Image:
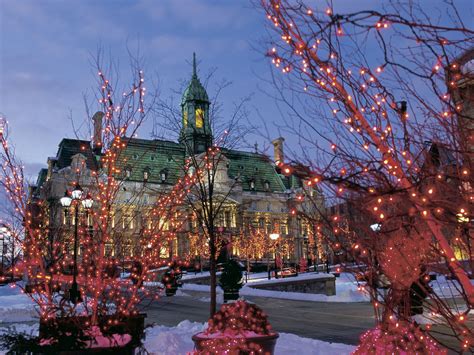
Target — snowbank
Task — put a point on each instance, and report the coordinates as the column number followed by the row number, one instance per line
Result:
column 347, row 290
column 163, row 340
column 15, row 306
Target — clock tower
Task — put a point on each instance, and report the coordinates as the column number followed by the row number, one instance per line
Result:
column 196, row 132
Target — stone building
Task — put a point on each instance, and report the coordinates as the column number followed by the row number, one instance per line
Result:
column 257, row 194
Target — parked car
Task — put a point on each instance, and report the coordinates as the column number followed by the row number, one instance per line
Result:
column 287, row 272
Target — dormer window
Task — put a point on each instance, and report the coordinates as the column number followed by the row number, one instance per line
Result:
column 163, row 175
column 146, row 174
column 252, row 184
column 266, row 185
column 128, row 172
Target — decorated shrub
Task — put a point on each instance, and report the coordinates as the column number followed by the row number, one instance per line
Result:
column 240, row 318
column 398, row 337
column 238, row 327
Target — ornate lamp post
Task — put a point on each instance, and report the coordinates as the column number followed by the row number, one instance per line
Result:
column 274, row 237
column 66, row 201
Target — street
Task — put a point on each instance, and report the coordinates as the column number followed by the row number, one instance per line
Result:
column 332, row 322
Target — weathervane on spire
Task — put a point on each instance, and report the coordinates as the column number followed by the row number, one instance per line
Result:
column 194, row 64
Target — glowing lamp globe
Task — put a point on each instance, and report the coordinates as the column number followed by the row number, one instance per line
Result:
column 88, row 201
column 65, row 200
column 274, row 236
column 76, row 194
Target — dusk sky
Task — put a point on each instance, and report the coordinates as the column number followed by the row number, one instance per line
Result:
column 46, row 47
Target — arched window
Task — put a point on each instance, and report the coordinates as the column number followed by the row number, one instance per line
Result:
column 128, row 172
column 185, row 117
column 199, row 117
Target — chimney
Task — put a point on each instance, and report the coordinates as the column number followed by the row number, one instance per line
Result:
column 97, row 142
column 278, row 150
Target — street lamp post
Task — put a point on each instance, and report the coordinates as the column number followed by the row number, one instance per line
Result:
column 274, row 237
column 3, row 248
column 66, row 201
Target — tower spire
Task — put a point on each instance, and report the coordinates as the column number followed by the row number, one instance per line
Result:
column 194, row 64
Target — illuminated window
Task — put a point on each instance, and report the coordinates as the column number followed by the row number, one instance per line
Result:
column 233, row 222
column 185, row 117
column 127, row 222
column 164, row 252
column 163, row 224
column 199, row 117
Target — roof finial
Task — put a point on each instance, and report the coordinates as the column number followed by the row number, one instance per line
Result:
column 194, row 64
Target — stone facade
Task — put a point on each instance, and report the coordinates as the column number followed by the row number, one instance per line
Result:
column 257, row 194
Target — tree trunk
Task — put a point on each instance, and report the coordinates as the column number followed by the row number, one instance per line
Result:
column 212, row 271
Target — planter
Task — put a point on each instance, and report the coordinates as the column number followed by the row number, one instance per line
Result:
column 132, row 325
column 266, row 342
column 231, row 295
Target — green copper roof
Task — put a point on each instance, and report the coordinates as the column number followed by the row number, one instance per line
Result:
column 155, row 157
column 254, row 167
column 195, row 91
column 256, row 172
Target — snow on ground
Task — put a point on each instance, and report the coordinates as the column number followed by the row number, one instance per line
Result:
column 445, row 288
column 346, row 289
column 15, row 306
column 163, row 340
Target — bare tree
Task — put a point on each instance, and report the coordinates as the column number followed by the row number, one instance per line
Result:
column 92, row 240
column 380, row 103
